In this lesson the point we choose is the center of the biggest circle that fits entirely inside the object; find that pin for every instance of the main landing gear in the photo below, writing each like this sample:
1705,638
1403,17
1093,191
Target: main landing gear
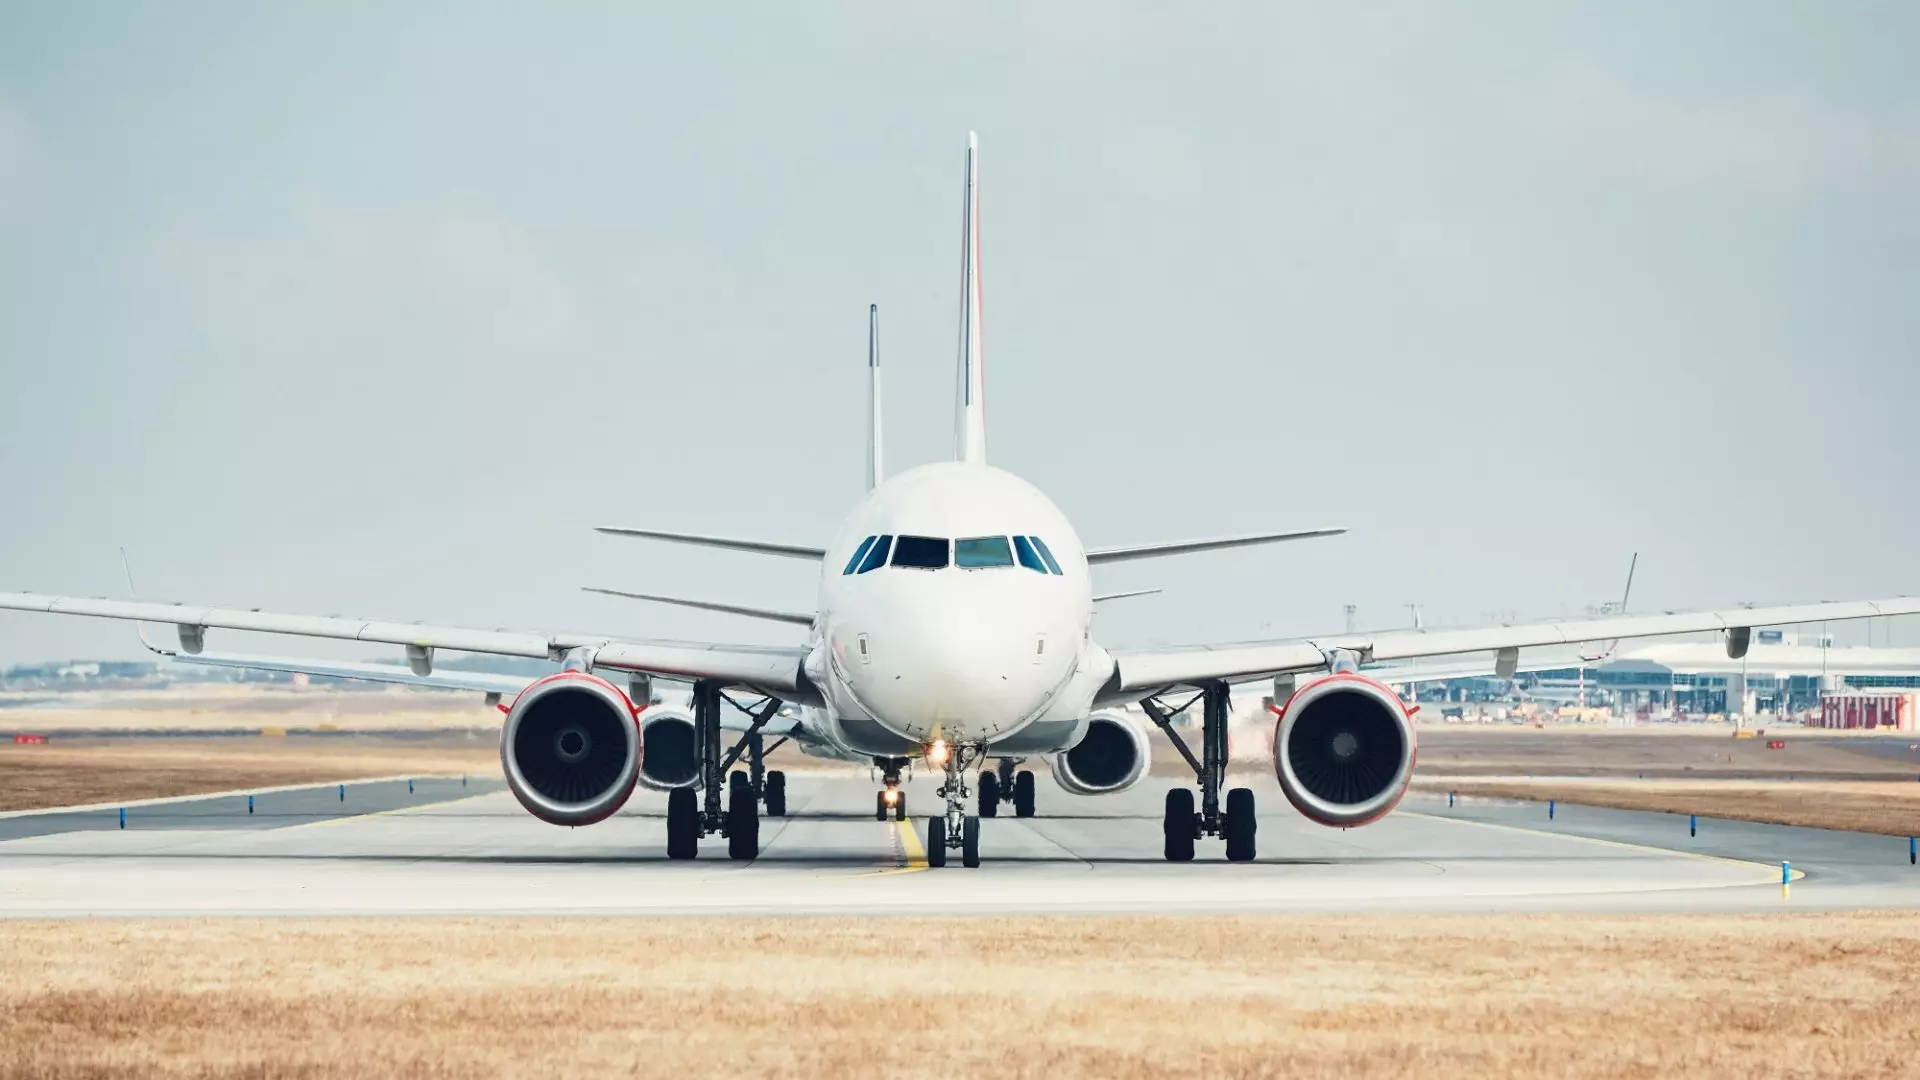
1182,825
890,801
1005,785
956,829
691,816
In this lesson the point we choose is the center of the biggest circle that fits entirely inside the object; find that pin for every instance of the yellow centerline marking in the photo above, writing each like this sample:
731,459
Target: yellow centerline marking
1744,863
910,843
912,853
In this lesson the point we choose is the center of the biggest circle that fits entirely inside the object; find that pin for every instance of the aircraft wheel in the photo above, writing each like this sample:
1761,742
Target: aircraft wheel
738,778
1023,793
743,823
970,843
900,806
683,824
776,794
1178,825
1240,825
989,794
936,842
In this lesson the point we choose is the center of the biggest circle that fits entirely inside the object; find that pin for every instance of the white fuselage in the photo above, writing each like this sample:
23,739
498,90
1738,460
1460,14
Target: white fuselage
991,647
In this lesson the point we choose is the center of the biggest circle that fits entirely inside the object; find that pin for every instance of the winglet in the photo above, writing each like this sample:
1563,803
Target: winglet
139,627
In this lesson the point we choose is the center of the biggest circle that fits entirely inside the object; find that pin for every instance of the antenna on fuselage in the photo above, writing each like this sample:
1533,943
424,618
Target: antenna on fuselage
875,473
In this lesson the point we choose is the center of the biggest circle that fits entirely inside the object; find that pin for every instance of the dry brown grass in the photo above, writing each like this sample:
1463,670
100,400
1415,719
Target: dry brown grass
225,708
102,770
1527,996
1509,751
1860,806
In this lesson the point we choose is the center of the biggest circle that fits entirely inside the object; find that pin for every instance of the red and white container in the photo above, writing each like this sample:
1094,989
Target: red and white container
1895,711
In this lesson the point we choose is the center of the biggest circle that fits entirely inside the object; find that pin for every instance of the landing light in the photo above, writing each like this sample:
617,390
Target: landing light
937,754
892,796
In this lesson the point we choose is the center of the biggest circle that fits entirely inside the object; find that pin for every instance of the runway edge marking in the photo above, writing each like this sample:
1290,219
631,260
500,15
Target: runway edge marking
1743,863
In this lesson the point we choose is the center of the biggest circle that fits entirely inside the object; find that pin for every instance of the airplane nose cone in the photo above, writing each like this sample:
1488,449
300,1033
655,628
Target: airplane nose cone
960,679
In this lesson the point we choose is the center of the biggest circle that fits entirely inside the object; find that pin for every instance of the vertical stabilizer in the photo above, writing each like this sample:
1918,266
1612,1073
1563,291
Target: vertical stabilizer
875,471
970,428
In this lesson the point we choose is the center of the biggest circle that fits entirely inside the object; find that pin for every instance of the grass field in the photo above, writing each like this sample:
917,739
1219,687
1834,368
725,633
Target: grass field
1365,996
103,770
1890,807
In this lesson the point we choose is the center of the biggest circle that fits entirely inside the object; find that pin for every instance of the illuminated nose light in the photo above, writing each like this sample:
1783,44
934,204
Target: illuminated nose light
937,753
892,796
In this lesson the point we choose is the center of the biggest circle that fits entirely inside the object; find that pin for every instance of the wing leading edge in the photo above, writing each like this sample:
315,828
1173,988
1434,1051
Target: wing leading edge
771,669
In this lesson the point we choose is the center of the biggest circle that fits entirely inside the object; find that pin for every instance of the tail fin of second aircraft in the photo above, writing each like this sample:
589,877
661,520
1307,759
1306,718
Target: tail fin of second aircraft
970,421
875,470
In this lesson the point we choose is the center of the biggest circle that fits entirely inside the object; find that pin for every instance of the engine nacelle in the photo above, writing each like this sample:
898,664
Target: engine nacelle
673,750
1344,750
571,748
1112,756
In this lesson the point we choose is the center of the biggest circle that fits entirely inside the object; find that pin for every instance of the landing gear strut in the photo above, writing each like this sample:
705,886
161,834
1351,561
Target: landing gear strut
890,801
689,818
1236,822
956,828
1003,784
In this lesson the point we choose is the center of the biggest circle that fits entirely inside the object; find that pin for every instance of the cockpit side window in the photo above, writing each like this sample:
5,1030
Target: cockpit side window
921,552
876,555
980,552
854,563
1041,546
1029,558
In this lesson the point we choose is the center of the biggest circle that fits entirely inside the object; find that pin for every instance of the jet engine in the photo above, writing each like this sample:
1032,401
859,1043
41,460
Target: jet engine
673,750
1344,750
571,748
1112,756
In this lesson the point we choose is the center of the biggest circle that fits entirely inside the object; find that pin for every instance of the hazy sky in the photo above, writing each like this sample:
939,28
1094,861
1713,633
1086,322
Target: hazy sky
377,309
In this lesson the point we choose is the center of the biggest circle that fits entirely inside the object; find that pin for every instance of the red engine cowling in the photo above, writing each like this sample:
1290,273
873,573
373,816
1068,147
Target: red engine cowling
571,748
1344,749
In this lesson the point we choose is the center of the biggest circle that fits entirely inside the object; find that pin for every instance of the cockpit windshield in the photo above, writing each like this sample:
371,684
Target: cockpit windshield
980,552
921,552
937,553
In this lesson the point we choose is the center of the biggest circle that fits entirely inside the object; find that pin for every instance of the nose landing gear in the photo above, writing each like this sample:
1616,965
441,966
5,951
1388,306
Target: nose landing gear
956,829
890,801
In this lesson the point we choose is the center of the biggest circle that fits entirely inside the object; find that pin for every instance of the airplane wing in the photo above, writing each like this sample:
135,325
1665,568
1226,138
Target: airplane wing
1144,671
769,669
507,686
1213,543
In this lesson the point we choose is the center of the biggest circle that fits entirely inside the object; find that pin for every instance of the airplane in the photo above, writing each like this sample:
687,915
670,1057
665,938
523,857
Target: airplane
953,626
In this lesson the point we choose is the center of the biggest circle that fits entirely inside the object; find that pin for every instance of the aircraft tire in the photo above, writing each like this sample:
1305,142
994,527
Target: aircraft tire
1178,825
989,794
970,843
743,824
936,842
683,824
900,808
776,794
1023,798
1241,825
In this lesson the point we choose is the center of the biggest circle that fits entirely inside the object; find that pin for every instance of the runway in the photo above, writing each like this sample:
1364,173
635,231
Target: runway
445,848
